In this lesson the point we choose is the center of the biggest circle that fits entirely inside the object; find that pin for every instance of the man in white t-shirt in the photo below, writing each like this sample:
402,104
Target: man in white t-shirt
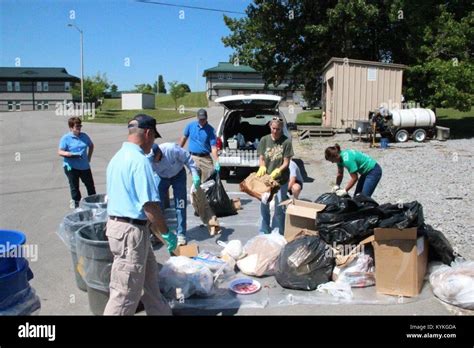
295,185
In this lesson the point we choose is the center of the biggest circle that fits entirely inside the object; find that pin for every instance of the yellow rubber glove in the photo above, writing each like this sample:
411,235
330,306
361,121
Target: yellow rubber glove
275,174
262,171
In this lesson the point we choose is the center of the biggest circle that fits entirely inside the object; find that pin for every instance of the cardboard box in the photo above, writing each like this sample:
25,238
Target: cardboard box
400,261
300,215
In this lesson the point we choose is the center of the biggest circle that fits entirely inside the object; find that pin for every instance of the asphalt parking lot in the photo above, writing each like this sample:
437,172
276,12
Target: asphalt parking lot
34,197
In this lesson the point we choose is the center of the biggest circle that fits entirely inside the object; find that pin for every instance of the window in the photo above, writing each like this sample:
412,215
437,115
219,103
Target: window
67,86
45,86
39,105
371,74
10,105
220,76
18,106
17,86
10,86
228,76
39,86
46,105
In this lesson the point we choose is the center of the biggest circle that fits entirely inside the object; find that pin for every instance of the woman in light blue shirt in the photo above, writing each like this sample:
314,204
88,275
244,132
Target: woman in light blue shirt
76,148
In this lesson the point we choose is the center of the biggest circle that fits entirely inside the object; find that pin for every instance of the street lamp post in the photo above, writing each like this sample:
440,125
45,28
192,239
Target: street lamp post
82,68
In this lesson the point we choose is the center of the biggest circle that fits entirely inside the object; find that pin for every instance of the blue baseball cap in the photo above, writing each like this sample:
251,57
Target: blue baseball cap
145,122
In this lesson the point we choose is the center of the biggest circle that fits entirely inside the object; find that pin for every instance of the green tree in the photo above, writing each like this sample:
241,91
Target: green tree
143,88
443,76
296,38
185,87
176,92
114,88
161,85
94,88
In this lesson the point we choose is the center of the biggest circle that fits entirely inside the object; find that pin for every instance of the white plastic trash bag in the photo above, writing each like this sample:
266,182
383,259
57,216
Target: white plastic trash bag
261,252
455,284
181,272
232,248
358,273
337,289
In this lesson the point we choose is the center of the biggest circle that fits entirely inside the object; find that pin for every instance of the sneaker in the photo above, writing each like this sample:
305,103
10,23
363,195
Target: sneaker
181,239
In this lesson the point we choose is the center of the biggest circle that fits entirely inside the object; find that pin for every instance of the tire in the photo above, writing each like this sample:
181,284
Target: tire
419,135
401,136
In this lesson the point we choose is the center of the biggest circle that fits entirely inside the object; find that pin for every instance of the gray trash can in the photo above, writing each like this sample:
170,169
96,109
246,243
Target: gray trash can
98,201
67,232
95,263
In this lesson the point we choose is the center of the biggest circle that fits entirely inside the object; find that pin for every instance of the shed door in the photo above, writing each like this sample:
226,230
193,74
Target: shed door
329,101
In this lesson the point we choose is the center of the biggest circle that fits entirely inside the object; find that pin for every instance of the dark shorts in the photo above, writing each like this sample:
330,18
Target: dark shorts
297,182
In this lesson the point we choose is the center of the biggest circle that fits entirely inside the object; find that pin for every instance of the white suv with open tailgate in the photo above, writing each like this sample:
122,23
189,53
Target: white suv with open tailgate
246,120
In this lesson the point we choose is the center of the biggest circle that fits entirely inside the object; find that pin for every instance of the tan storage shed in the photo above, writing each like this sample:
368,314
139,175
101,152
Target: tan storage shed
352,88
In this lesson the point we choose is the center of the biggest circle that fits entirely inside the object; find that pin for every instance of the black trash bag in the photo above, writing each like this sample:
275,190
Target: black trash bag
218,199
349,232
304,263
439,247
402,215
345,208
345,219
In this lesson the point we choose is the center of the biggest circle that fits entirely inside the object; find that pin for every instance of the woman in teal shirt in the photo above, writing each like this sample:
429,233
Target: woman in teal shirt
355,162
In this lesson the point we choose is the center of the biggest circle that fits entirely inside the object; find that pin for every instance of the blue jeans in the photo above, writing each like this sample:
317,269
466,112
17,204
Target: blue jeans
368,182
278,220
178,182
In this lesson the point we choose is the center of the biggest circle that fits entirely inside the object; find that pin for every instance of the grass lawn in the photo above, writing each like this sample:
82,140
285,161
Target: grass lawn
312,117
190,100
123,116
461,124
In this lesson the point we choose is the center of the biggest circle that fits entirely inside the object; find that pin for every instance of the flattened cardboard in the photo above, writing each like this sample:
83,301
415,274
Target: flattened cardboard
400,261
300,215
189,250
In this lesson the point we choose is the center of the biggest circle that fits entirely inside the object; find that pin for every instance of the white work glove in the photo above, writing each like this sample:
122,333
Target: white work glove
341,192
335,188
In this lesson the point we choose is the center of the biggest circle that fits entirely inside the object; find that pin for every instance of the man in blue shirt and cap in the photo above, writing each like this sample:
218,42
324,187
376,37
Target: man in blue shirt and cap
168,161
133,201
202,143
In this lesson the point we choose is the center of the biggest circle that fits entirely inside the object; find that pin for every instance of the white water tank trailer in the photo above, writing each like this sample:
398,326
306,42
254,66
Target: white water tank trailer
400,124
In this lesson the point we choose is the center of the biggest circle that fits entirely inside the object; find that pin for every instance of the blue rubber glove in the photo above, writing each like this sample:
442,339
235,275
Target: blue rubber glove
67,166
217,167
171,240
196,181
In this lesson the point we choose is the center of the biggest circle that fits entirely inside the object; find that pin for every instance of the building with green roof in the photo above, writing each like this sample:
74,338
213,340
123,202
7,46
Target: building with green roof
25,89
230,79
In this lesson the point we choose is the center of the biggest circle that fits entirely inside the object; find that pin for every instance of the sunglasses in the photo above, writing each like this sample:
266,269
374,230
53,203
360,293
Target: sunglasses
275,118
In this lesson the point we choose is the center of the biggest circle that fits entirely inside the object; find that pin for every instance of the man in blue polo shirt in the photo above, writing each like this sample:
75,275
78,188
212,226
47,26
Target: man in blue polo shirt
168,161
132,200
202,143
76,148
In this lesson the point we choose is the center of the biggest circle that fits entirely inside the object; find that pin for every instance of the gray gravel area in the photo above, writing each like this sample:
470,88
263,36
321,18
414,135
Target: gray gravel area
437,174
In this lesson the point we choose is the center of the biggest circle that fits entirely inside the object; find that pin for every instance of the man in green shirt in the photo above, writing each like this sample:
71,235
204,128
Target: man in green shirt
275,151
355,162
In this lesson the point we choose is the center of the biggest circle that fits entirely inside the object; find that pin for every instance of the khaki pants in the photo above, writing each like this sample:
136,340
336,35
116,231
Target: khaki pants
134,271
200,203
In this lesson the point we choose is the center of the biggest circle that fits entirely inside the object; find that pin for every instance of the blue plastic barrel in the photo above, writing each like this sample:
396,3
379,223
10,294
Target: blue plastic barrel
10,249
384,143
15,281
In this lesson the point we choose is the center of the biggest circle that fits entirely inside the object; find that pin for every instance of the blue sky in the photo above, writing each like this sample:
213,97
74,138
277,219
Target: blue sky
154,39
